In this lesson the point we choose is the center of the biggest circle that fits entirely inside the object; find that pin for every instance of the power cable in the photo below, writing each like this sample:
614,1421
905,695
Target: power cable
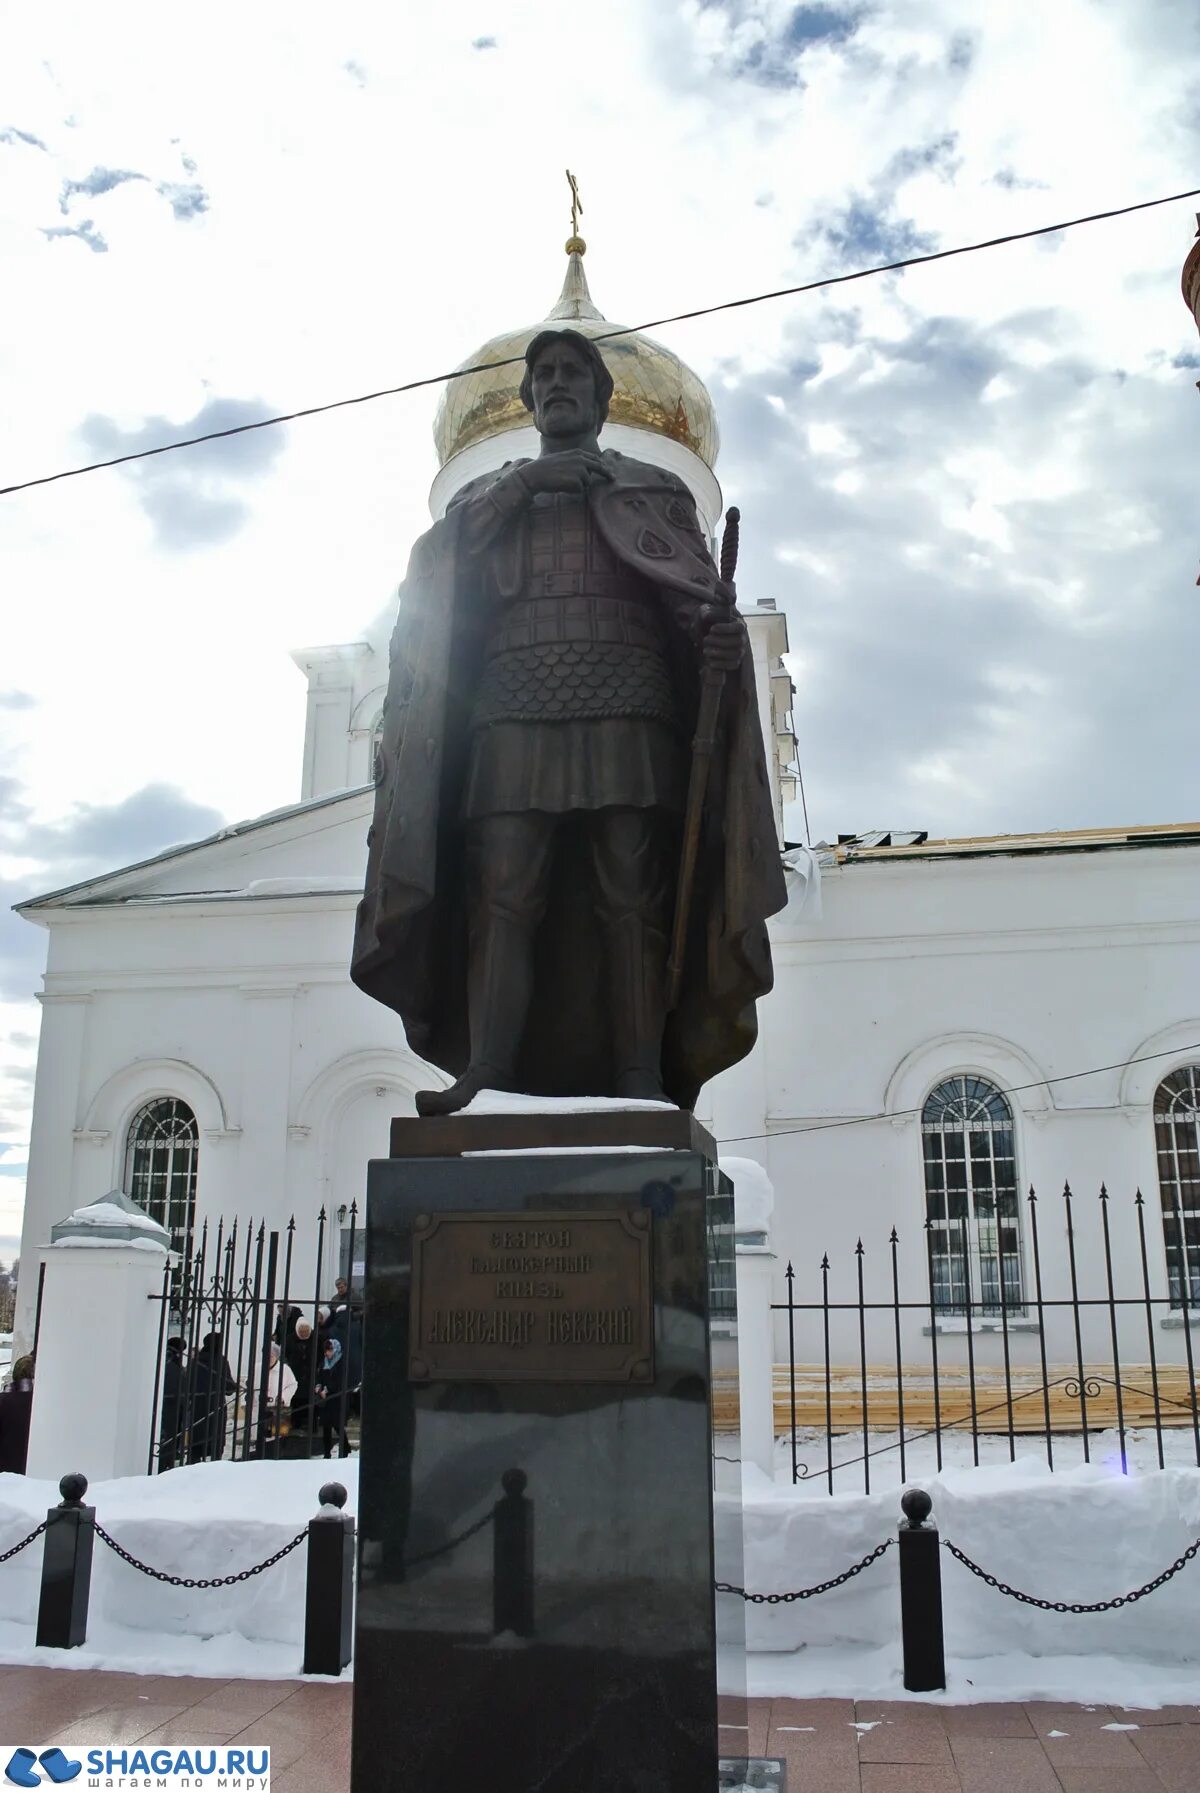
866,1120
678,317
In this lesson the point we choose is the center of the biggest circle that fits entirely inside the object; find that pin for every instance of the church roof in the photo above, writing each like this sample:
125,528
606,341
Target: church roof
652,388
98,889
884,846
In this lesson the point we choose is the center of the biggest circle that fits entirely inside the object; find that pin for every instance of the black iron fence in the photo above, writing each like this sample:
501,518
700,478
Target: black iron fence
256,1357
889,1358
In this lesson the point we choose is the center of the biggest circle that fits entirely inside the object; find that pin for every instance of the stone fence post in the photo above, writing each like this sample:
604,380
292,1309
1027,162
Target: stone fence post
756,1355
93,1387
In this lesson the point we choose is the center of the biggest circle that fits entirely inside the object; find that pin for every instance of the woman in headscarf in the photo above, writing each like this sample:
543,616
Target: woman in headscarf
330,1395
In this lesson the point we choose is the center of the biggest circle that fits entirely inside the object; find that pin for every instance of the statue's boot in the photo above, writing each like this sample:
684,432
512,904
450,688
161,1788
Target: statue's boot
637,965
499,988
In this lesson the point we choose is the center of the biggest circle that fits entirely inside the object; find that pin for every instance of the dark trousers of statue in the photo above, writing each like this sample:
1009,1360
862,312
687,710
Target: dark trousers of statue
510,859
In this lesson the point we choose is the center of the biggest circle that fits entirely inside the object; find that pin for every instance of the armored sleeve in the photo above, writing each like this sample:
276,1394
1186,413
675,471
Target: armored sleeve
489,505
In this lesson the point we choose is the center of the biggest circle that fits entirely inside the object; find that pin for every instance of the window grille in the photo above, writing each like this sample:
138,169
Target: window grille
161,1158
722,1262
971,1205
1177,1137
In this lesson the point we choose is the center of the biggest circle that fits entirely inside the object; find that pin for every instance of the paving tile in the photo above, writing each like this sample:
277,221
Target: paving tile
186,1729
327,1692
894,1741
323,1768
186,1689
1110,1780
1092,1749
816,1776
251,1697
822,1714
914,1715
1052,1715
118,1724
1144,1716
817,1760
1173,1752
898,1777
291,1738
1003,1765
758,1718
987,1719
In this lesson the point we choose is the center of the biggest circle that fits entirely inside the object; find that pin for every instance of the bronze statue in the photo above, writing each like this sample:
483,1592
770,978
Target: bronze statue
533,773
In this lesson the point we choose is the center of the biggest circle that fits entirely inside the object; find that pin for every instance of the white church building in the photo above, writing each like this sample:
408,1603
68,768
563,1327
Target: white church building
952,1021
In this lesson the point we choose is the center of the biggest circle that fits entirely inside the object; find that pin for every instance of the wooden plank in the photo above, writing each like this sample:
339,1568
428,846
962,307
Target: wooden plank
991,1406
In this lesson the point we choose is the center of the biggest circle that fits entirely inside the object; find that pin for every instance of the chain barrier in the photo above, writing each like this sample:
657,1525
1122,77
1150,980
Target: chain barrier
1002,1587
822,1587
187,1581
24,1541
427,1556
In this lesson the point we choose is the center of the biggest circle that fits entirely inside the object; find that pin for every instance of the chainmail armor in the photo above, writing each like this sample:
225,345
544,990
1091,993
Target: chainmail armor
596,652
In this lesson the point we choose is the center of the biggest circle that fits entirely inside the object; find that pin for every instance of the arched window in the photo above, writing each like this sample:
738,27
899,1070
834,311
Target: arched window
971,1198
161,1155
376,744
1177,1136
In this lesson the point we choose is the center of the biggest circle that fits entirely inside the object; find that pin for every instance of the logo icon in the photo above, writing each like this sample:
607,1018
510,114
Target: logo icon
58,1768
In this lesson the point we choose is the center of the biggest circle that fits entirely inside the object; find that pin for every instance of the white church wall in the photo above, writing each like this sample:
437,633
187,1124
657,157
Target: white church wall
1014,969
257,1027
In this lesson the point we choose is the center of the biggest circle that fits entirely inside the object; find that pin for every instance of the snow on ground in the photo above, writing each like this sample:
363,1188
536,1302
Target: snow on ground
814,1452
211,1519
1084,1533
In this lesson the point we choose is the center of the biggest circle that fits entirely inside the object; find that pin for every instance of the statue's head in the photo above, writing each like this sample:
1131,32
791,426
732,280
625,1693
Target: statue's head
566,385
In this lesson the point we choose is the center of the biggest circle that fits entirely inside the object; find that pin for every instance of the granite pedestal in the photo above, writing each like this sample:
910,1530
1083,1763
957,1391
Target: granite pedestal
536,1607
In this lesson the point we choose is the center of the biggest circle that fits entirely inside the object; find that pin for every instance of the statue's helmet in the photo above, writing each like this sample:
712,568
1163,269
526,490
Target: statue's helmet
602,379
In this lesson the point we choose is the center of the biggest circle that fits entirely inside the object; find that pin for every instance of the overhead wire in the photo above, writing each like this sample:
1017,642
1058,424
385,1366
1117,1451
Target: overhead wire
678,317
896,1114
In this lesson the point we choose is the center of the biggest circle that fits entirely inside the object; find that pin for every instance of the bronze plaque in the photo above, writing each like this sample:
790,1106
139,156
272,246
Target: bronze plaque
532,1298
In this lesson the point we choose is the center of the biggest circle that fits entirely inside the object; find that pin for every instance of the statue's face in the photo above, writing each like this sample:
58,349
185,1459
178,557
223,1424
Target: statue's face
563,389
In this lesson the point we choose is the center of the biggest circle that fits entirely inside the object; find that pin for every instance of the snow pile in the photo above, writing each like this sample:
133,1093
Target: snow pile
108,1214
753,1194
1084,1534
211,1519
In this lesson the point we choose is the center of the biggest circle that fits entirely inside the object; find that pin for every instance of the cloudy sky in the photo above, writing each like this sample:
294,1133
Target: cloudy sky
970,486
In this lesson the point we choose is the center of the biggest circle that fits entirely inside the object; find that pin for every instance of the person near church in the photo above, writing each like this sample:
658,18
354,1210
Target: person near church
175,1411
16,1409
276,1407
332,1395
554,632
212,1384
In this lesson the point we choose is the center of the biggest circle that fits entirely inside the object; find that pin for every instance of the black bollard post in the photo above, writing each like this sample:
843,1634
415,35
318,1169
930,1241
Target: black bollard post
67,1568
921,1596
329,1592
512,1558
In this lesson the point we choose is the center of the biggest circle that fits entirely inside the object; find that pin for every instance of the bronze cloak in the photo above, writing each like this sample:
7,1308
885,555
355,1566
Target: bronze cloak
410,942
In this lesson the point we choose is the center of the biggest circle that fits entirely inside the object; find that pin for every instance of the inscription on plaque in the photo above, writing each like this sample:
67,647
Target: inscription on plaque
532,1298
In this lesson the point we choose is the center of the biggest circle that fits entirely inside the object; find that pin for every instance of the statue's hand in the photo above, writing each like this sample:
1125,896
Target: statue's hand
723,638
572,471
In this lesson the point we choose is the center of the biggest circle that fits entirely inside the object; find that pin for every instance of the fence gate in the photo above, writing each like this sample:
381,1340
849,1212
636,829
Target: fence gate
256,1358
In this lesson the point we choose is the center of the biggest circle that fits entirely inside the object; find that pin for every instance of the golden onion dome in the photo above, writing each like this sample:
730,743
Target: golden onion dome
652,388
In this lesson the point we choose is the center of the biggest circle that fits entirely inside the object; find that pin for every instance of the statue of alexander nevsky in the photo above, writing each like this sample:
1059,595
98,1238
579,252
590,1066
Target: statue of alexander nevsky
532,775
